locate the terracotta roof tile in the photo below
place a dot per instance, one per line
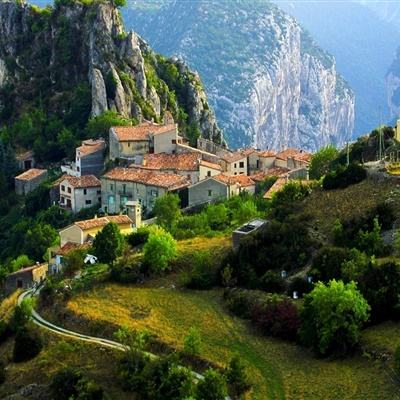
(179, 162)
(241, 180)
(278, 185)
(148, 177)
(103, 221)
(30, 174)
(211, 165)
(70, 246)
(90, 146)
(28, 269)
(140, 132)
(274, 171)
(82, 181)
(292, 153)
(267, 153)
(232, 157)
(23, 156)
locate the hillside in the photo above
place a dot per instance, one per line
(60, 66)
(269, 82)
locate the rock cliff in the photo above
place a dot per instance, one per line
(46, 54)
(269, 83)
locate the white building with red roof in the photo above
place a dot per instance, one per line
(78, 192)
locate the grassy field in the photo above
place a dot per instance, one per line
(99, 364)
(384, 337)
(279, 370)
(352, 202)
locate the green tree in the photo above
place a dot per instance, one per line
(108, 243)
(371, 242)
(321, 161)
(99, 126)
(192, 342)
(167, 210)
(246, 211)
(237, 376)
(38, 239)
(21, 261)
(159, 250)
(217, 216)
(74, 262)
(212, 387)
(332, 317)
(27, 345)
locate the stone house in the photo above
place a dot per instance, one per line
(208, 190)
(133, 142)
(89, 159)
(208, 169)
(80, 192)
(121, 185)
(85, 231)
(237, 183)
(58, 254)
(29, 180)
(293, 159)
(26, 278)
(25, 160)
(234, 163)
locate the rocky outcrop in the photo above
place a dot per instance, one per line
(48, 54)
(269, 83)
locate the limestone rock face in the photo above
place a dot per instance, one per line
(52, 53)
(269, 83)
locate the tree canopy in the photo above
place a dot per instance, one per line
(108, 243)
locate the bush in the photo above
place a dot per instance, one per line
(22, 314)
(278, 318)
(332, 317)
(28, 345)
(272, 282)
(159, 250)
(203, 274)
(328, 262)
(344, 177)
(192, 343)
(5, 331)
(139, 237)
(212, 387)
(237, 377)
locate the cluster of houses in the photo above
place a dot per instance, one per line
(147, 161)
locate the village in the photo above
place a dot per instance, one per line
(145, 162)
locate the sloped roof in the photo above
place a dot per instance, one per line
(83, 181)
(267, 153)
(148, 177)
(278, 185)
(300, 155)
(211, 165)
(140, 132)
(241, 180)
(91, 146)
(274, 171)
(30, 174)
(232, 157)
(103, 221)
(180, 161)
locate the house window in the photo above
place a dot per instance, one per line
(234, 165)
(62, 200)
(258, 164)
(235, 173)
(69, 190)
(123, 188)
(241, 164)
(62, 188)
(87, 202)
(208, 173)
(99, 199)
(111, 200)
(124, 199)
(111, 187)
(209, 193)
(173, 141)
(85, 191)
(129, 144)
(154, 193)
(106, 209)
(78, 169)
(99, 192)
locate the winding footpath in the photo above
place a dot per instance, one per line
(38, 320)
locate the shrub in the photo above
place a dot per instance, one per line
(108, 243)
(22, 314)
(344, 177)
(167, 210)
(203, 274)
(272, 282)
(192, 343)
(5, 331)
(212, 387)
(217, 216)
(159, 250)
(278, 318)
(28, 344)
(139, 237)
(328, 262)
(332, 317)
(237, 376)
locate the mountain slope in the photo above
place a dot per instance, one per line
(75, 61)
(362, 44)
(269, 83)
